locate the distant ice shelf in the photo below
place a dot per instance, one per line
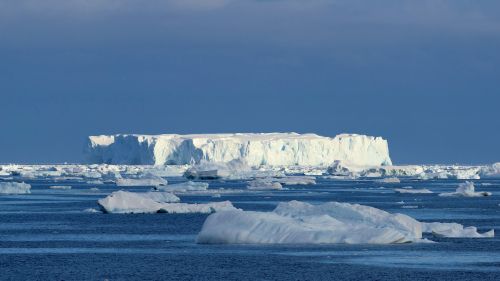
(265, 149)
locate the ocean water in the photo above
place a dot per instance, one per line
(47, 235)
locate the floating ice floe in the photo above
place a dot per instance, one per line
(410, 190)
(296, 180)
(14, 188)
(235, 169)
(156, 202)
(454, 230)
(60, 187)
(389, 180)
(297, 222)
(184, 186)
(148, 180)
(466, 189)
(264, 184)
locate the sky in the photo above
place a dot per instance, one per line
(424, 74)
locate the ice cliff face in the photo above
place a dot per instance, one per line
(272, 149)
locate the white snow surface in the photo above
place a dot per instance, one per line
(465, 189)
(413, 191)
(455, 230)
(268, 149)
(264, 184)
(14, 188)
(124, 202)
(297, 222)
(184, 186)
(145, 181)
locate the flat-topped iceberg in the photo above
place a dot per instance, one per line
(14, 188)
(297, 222)
(465, 189)
(270, 149)
(124, 202)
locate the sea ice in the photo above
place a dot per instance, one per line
(60, 187)
(389, 180)
(302, 223)
(184, 186)
(264, 184)
(14, 188)
(466, 189)
(156, 202)
(413, 191)
(454, 230)
(148, 180)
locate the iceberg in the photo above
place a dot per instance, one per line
(184, 186)
(60, 187)
(265, 149)
(14, 188)
(234, 169)
(145, 181)
(264, 184)
(413, 191)
(454, 230)
(465, 189)
(297, 222)
(123, 202)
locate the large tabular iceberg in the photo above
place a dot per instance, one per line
(272, 149)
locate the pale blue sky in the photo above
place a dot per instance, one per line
(424, 74)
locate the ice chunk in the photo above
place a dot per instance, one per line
(454, 230)
(234, 169)
(14, 188)
(466, 189)
(413, 191)
(132, 202)
(263, 184)
(149, 180)
(60, 187)
(302, 223)
(272, 149)
(156, 202)
(389, 180)
(297, 180)
(184, 186)
(492, 171)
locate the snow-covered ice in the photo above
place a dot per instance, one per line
(272, 149)
(14, 188)
(60, 187)
(413, 191)
(156, 202)
(184, 186)
(149, 180)
(455, 230)
(466, 189)
(264, 184)
(389, 180)
(297, 222)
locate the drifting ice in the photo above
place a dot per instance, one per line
(302, 223)
(14, 188)
(272, 149)
(466, 189)
(156, 202)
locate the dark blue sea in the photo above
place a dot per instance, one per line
(47, 235)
